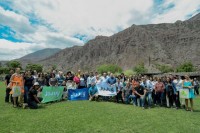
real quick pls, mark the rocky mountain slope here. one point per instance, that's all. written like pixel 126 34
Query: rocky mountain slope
pixel 166 43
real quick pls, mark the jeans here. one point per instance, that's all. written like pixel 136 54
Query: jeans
pixel 26 90
pixel 127 99
pixel 133 97
pixel 149 98
pixel 135 100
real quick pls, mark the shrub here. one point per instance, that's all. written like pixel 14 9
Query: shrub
pixel 109 68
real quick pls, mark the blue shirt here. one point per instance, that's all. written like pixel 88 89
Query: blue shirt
pixel 93 90
pixel 111 80
pixel 148 85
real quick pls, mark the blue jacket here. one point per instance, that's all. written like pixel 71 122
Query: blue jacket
pixel 173 86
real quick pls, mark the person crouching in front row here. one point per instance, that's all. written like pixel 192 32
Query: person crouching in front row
pixel 92 92
pixel 33 100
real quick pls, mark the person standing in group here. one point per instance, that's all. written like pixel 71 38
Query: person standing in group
pixel 111 80
pixel 8 89
pixel 69 76
pixel 41 80
pixel 126 92
pixel 76 79
pixel 170 92
pixel 35 76
pixel 196 86
pixel 159 92
pixel 28 83
pixel 90 79
pixel 178 84
pixel 146 83
pixel 60 78
pixel 82 83
pixel 119 87
pixel 187 84
pixel 140 93
pixel 53 81
pixel 17 80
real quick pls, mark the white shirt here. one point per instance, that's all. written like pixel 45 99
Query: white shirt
pixel 178 84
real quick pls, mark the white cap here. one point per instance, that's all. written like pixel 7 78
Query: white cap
pixel 36 83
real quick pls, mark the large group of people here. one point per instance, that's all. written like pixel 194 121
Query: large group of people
pixel 140 90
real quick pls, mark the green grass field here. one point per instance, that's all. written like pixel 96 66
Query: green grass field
pixel 92 117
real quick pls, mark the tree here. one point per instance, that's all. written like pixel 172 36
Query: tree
pixel 140 68
pixel 129 72
pixel 186 67
pixel 109 68
pixel 13 64
pixel 164 68
pixel 4 70
pixel 33 67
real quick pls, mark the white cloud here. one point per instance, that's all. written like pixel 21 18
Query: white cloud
pixel 15 21
pixel 90 17
pixel 84 17
pixel 181 9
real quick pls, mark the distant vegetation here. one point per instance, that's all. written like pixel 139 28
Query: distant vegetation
pixel 164 68
pixel 140 68
pixel 109 68
pixel 33 67
pixel 186 67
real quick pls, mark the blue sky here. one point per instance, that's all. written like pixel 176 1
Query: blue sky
pixel 28 26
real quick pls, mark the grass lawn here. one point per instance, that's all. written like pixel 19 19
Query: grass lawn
pixel 91 117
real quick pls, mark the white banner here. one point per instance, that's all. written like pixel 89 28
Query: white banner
pixel 106 90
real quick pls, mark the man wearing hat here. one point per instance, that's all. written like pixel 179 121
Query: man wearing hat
pixel 33 100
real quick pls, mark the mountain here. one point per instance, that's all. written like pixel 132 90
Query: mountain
pixel 166 43
pixel 38 55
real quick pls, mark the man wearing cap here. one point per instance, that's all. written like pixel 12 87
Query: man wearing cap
pixel 33 100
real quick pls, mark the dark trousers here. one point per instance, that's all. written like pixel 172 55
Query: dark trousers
pixel 119 96
pixel 158 98
pixel 8 96
pixel 177 100
pixel 33 104
pixel 171 99
pixel 196 89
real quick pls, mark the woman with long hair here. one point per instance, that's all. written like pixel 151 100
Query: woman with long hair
pixel 187 84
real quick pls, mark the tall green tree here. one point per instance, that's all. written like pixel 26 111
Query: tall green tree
pixel 33 67
pixel 13 64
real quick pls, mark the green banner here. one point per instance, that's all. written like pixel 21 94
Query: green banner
pixel 52 93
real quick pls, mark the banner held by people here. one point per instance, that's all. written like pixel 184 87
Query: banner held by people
pixel 186 93
pixel 52 93
pixel 78 94
pixel 106 90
